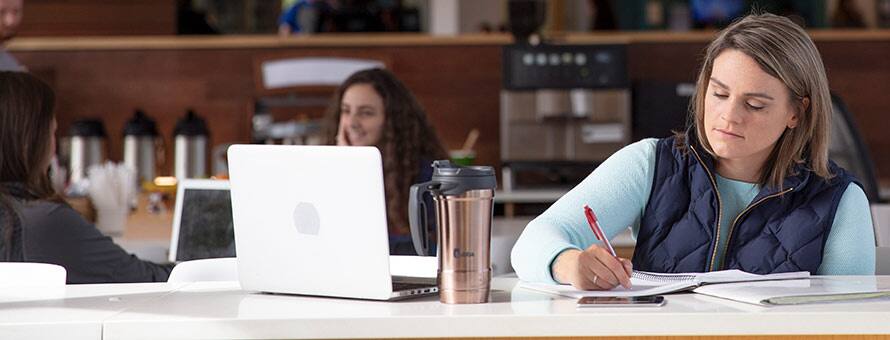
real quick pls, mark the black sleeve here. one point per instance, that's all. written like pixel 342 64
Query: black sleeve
pixel 55 233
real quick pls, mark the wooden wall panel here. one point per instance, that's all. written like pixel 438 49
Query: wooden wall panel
pixel 98 17
pixel 857 72
pixel 664 61
pixel 459 88
pixel 163 83
pixel 458 85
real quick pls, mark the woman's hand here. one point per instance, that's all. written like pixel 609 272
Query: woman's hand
pixel 342 140
pixel 592 269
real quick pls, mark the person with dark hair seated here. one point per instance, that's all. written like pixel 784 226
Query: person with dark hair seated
pixel 373 108
pixel 35 223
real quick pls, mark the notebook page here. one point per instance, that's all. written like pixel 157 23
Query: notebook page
pixel 649 283
pixel 732 275
pixel 740 276
pixel 638 288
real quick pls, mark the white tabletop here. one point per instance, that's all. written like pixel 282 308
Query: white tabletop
pixel 222 310
pixel 69 312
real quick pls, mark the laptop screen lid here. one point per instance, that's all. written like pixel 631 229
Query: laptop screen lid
pixel 202 221
pixel 310 220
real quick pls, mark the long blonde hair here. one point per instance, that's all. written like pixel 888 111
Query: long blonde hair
pixel 783 50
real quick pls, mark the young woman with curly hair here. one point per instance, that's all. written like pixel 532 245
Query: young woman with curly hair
pixel 373 108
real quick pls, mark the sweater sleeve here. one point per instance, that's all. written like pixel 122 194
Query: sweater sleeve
pixel 850 248
pixel 55 233
pixel 617 190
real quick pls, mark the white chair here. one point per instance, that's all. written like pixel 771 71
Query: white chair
pixel 217 269
pixel 32 274
pixel 880 214
pixel 327 71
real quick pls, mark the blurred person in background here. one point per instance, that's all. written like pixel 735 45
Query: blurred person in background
pixel 306 16
pixel 373 108
pixel 10 19
pixel 36 224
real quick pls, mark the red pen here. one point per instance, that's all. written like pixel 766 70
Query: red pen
pixel 597 231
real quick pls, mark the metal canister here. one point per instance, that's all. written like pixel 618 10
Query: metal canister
pixel 87 143
pixel 190 147
pixel 141 146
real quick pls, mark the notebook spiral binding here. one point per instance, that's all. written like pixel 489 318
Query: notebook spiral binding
pixel 656 277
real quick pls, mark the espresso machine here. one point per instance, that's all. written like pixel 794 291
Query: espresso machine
pixel 565 108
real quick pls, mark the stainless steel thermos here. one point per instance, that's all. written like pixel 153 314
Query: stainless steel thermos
pixel 463 199
pixel 141 146
pixel 87 147
pixel 190 149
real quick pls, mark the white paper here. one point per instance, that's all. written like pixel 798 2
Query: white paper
pixel 647 283
pixel 806 290
pixel 638 288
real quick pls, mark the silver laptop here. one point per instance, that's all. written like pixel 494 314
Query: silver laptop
pixel 311 220
pixel 202 221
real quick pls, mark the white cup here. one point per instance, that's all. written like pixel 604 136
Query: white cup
pixel 112 222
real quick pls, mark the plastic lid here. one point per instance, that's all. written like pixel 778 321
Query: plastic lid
pixel 140 125
pixel 459 179
pixel 87 128
pixel 191 125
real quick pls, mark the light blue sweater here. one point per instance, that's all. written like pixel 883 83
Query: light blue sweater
pixel 619 189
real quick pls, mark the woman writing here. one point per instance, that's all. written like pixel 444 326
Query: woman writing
pixel 748 186
pixel 373 108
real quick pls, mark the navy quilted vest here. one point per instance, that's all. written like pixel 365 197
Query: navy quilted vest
pixel 781 230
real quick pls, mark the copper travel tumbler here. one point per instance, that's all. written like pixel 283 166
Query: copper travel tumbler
pixel 465 246
pixel 463 198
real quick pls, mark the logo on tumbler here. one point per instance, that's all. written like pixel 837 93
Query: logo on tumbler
pixel 458 253
pixel 306 219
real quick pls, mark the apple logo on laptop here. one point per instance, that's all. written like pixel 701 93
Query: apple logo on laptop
pixel 306 218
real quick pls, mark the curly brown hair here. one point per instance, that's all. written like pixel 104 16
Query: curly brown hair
pixel 408 140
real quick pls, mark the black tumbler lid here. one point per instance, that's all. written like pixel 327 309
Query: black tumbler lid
pixel 87 128
pixel 457 179
pixel 140 125
pixel 191 125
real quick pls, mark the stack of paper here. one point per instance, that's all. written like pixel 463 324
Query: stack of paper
pixel 766 290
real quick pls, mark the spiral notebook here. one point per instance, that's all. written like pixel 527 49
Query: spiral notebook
pixel 648 283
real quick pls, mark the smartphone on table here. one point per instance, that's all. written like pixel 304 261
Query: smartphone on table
pixel 622 301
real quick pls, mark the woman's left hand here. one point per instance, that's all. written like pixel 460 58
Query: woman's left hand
pixel 341 136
